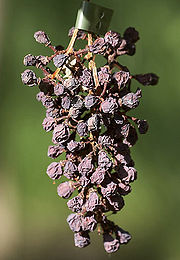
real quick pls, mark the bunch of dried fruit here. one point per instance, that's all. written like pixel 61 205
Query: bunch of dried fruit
pixel 86 110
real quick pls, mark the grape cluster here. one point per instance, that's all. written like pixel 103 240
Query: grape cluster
pixel 86 110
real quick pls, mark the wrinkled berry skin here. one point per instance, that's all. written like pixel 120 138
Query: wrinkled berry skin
pixel 48 124
pixel 29 78
pixel 86 166
pixel 54 171
pixel 75 204
pixel 61 134
pixel 41 37
pixel 111 245
pixel 59 60
pixel 88 110
pixel 99 46
pixel 55 150
pixel 75 222
pixel 86 79
pixel 147 79
pixel 70 170
pixel 82 129
pixel 109 105
pixel 65 189
pixel 30 60
pixel 89 223
pixel 113 39
pixel 93 123
pixel 123 236
pixel 81 239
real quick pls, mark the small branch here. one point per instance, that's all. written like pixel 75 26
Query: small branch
pixel 71 44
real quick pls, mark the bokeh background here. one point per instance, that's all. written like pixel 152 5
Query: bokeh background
pixel 32 216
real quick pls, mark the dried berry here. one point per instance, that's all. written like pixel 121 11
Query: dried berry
pixel 65 189
pixel 70 170
pixel 48 124
pixel 86 79
pixel 121 78
pixel 93 123
pixel 41 37
pixel 109 105
pixel 98 176
pixel 113 39
pixel 55 150
pixel 60 60
pixel 111 245
pixel 29 78
pixel 104 76
pixel 82 128
pixel 131 100
pixel 61 134
pixel 142 126
pixel 104 162
pixel 105 140
pixel 90 101
pixel 92 202
pixel 71 84
pixel 99 46
pixel 123 236
pixel 65 102
pixel 81 239
pixel 116 202
pixel 131 35
pixel 108 188
pixel 58 89
pixel 30 60
pixel 86 166
pixel 75 204
pixel 89 223
pixel 147 79
pixel 54 170
pixel 75 222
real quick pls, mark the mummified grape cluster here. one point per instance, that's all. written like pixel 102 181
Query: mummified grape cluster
pixel 86 111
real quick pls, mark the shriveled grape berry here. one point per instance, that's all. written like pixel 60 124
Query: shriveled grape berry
pixel 89 223
pixel 65 189
pixel 111 244
pixel 123 236
pixel 82 128
pixel 131 100
pixel 147 79
pixel 30 60
pixel 70 170
pixel 48 124
pixel 61 134
pixel 92 202
pixel 59 60
pixel 81 239
pixel 55 150
pixel 41 37
pixel 99 46
pixel 90 101
pixel 75 204
pixel 113 39
pixel 54 170
pixel 75 222
pixel 86 79
pixel 86 166
pixel 29 78
pixel 109 105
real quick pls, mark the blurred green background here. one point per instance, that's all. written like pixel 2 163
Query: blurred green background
pixel 32 216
